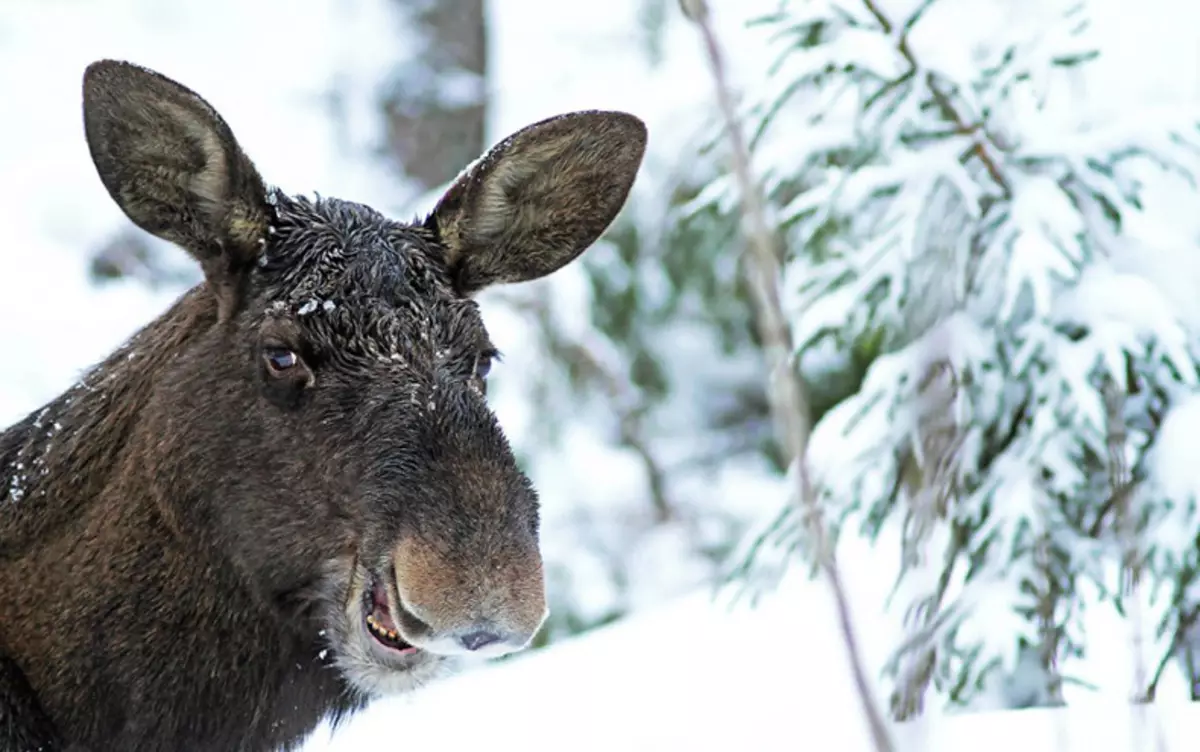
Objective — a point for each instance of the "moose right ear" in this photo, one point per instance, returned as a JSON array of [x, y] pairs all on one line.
[[173, 166]]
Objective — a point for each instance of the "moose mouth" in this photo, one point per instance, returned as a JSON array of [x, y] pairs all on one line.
[[377, 616]]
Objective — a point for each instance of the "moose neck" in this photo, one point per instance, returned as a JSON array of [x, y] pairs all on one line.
[[128, 631], [62, 457]]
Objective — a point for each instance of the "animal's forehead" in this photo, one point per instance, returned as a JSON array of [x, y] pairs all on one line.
[[359, 279], [332, 248]]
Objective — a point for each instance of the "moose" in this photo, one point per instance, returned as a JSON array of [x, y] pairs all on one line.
[[287, 495]]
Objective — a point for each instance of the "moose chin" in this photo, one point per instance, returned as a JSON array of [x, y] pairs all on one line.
[[287, 494]]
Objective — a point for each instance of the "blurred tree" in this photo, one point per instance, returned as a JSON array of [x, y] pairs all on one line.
[[435, 102], [132, 253]]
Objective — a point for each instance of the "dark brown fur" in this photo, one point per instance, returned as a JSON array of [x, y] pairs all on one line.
[[188, 535]]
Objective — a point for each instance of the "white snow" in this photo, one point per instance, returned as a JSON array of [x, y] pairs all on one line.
[[706, 674], [1174, 458]]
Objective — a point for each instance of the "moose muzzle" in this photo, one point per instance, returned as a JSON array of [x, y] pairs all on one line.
[[487, 601]]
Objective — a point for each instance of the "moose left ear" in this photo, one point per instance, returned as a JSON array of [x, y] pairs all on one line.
[[172, 164], [539, 198]]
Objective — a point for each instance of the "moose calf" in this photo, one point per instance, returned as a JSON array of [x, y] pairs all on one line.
[[287, 494]]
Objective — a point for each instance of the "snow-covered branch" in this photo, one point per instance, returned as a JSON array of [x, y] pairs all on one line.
[[943, 218], [982, 146]]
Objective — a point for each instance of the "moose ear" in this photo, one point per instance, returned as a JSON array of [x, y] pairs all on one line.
[[173, 166], [539, 198]]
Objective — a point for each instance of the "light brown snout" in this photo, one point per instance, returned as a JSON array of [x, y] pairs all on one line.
[[486, 603]]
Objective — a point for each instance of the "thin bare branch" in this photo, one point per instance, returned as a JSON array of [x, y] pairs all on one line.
[[789, 405], [1121, 485], [1050, 633]]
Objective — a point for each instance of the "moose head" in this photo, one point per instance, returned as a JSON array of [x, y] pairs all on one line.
[[321, 422]]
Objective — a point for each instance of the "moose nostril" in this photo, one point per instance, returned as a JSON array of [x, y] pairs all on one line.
[[479, 639]]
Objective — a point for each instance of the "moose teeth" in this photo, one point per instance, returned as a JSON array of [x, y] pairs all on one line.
[[380, 630]]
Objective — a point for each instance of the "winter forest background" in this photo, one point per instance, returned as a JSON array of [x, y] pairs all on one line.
[[990, 233]]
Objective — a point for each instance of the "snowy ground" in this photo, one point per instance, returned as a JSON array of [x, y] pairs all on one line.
[[691, 675], [702, 674]]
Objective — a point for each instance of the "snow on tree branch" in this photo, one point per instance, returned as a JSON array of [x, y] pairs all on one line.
[[981, 258]]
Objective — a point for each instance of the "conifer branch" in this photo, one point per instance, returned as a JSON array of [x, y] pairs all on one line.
[[981, 144]]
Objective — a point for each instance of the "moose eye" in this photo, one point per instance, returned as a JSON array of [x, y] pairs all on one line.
[[286, 376], [280, 360]]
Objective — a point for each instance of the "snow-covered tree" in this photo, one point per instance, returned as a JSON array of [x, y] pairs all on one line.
[[990, 268]]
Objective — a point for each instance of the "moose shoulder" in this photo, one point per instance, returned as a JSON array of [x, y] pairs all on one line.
[[287, 494]]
